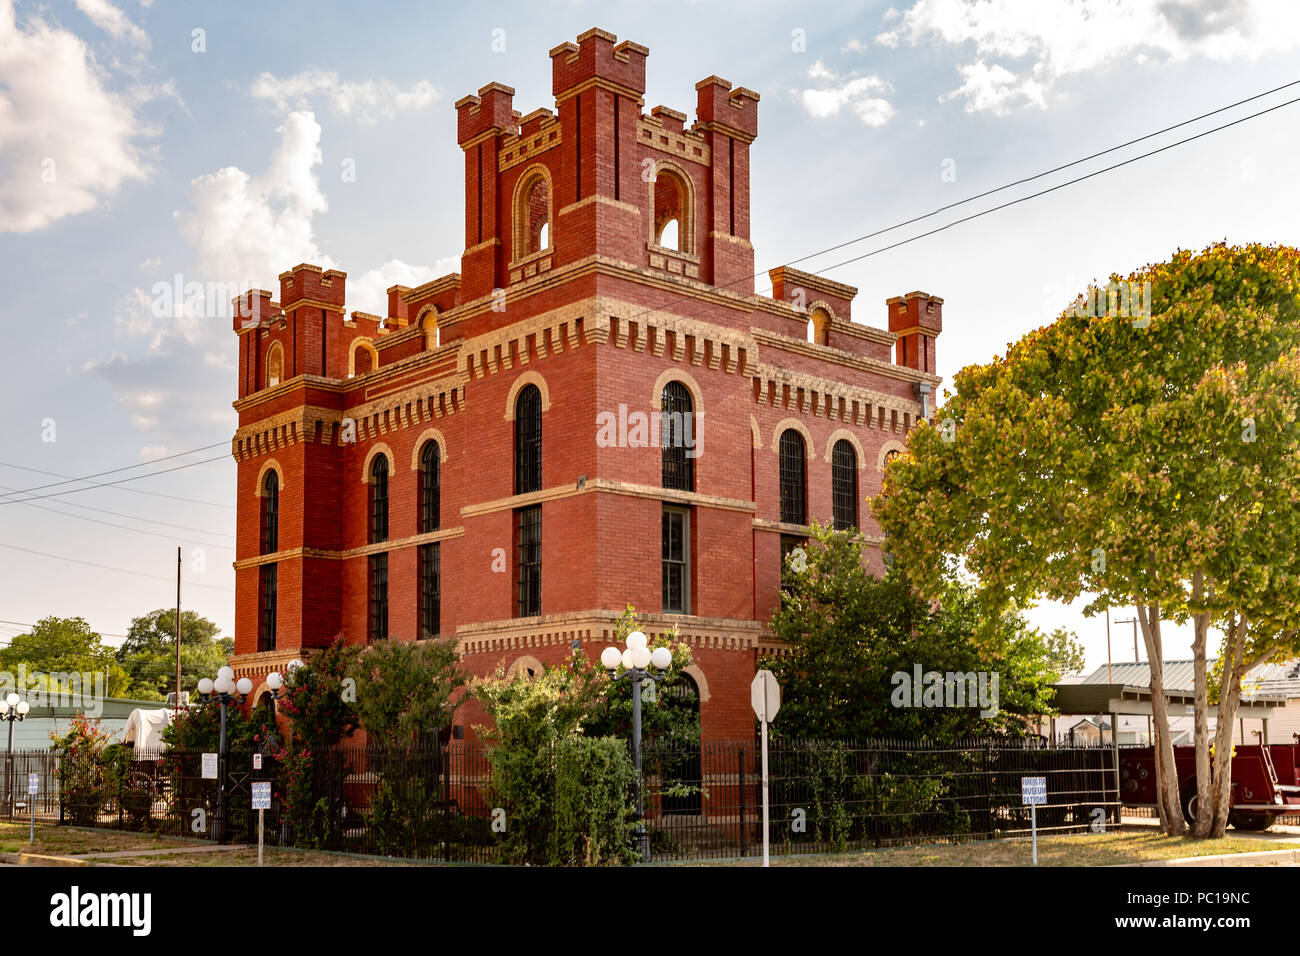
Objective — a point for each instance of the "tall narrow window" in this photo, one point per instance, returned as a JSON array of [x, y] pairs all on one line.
[[378, 596], [271, 513], [844, 485], [528, 440], [430, 590], [528, 534], [677, 436], [794, 503], [379, 499], [677, 560], [378, 563], [266, 616], [268, 574], [430, 487]]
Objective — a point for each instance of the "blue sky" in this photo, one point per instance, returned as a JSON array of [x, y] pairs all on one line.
[[139, 141]]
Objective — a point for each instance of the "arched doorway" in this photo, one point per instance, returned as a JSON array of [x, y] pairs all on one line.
[[684, 767]]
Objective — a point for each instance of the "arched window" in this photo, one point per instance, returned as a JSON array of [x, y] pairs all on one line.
[[674, 219], [532, 213], [528, 440], [378, 562], [379, 499], [682, 696], [271, 513], [818, 324], [844, 485], [677, 436], [430, 487], [794, 501], [274, 365], [268, 578]]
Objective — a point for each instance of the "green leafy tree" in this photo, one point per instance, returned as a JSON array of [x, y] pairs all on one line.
[[64, 645], [562, 732], [849, 633], [1151, 461], [1064, 652], [406, 690], [148, 654]]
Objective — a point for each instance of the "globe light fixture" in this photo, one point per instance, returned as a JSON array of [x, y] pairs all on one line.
[[636, 658], [12, 708]]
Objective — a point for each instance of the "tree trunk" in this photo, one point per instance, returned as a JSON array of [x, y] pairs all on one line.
[[1167, 801], [1205, 802]]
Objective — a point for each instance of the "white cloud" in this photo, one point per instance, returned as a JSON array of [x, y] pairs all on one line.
[[365, 102], [1023, 47], [66, 141], [113, 22], [855, 46], [248, 228], [852, 92], [368, 292]]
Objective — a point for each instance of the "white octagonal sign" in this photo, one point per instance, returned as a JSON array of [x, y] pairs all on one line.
[[765, 695]]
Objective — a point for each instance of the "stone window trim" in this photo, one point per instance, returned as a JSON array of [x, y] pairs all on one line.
[[378, 448], [676, 375], [527, 378], [519, 249], [426, 436], [362, 342], [687, 219], [843, 434], [269, 465], [885, 449], [801, 428]]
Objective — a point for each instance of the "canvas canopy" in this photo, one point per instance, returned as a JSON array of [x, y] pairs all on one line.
[[144, 729]]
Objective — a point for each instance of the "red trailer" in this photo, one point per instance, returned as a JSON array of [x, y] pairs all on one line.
[[1265, 781]]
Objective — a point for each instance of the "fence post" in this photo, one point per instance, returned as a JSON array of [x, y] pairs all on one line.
[[740, 765]]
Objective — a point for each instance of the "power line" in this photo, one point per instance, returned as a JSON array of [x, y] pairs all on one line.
[[108, 484], [120, 514], [989, 192], [109, 524], [134, 491], [1051, 189], [105, 567], [113, 471]]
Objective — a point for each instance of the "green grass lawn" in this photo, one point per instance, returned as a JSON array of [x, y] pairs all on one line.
[[1087, 849]]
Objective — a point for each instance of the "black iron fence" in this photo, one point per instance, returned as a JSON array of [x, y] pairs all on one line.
[[702, 800]]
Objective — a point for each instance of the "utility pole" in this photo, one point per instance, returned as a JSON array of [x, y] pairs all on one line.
[[178, 629]]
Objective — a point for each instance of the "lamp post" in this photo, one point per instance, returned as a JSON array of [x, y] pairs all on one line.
[[223, 691], [11, 708], [636, 660]]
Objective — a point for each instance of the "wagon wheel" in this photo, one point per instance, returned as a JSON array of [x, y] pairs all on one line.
[[139, 780], [1254, 820]]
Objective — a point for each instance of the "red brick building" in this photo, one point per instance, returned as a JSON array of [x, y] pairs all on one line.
[[483, 461]]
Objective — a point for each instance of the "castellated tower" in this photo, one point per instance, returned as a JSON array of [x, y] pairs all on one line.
[[477, 464]]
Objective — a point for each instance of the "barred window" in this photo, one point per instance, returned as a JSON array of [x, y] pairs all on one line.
[[844, 485], [430, 590], [677, 436], [271, 514], [528, 533], [266, 608], [430, 487], [677, 560], [528, 440], [379, 499], [378, 597], [794, 502]]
